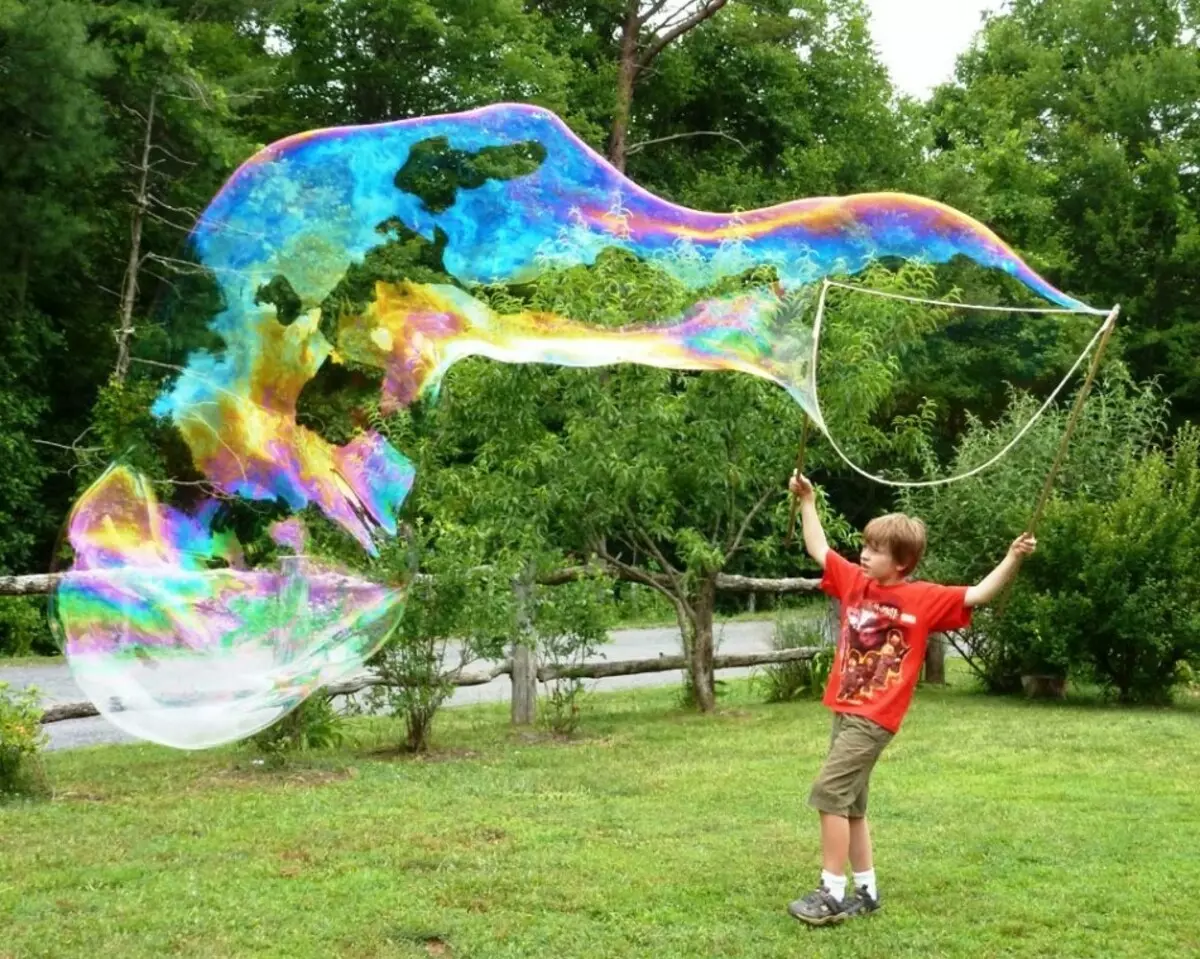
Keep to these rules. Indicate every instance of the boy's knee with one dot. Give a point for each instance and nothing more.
(826, 800)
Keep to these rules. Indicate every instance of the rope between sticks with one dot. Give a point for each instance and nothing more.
(1102, 333)
(1087, 310)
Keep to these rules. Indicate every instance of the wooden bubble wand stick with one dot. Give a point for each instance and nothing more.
(800, 471)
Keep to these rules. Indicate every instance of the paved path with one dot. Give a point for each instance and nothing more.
(57, 686)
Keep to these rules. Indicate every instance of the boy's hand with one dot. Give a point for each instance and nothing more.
(1023, 545)
(800, 486)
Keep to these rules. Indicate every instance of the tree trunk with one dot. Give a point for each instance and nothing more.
(524, 686)
(129, 285)
(935, 660)
(627, 70)
(701, 652)
(524, 662)
(418, 721)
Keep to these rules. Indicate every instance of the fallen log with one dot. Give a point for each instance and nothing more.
(56, 714)
(357, 685)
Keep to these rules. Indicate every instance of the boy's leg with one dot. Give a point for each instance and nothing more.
(835, 837)
(861, 858)
(855, 746)
(836, 842)
(863, 898)
(826, 904)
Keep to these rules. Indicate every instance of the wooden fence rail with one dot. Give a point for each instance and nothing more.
(594, 670)
(40, 584)
(521, 667)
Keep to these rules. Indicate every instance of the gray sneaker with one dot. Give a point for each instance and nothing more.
(818, 908)
(860, 903)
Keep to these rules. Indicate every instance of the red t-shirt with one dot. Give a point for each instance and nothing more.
(882, 643)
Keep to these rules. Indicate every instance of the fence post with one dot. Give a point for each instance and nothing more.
(831, 623)
(935, 660)
(524, 660)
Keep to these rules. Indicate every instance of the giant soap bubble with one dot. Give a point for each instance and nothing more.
(173, 632)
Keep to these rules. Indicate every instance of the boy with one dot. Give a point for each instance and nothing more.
(886, 619)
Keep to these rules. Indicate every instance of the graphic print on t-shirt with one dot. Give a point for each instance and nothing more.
(876, 645)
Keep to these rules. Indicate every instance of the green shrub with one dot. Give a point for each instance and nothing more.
(21, 740)
(456, 617)
(1187, 678)
(972, 523)
(572, 624)
(24, 629)
(799, 678)
(314, 724)
(1117, 584)
(416, 683)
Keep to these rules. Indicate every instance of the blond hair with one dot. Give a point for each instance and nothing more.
(901, 536)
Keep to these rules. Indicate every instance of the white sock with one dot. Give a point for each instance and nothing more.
(866, 879)
(835, 884)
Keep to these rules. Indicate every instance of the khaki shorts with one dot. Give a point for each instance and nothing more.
(841, 786)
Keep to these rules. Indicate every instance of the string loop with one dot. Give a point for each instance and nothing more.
(1110, 319)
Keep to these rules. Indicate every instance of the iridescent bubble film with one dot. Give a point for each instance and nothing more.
(171, 631)
(173, 650)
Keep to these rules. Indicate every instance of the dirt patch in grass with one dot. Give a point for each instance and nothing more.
(400, 754)
(549, 738)
(433, 943)
(284, 777)
(80, 797)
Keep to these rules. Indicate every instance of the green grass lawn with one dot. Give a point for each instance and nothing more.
(32, 661)
(1002, 829)
(664, 616)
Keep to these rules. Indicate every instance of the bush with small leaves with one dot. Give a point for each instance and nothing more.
(24, 628)
(462, 613)
(971, 523)
(21, 740)
(314, 724)
(572, 624)
(1114, 592)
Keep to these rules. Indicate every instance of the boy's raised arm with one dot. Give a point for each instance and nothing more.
(990, 586)
(814, 535)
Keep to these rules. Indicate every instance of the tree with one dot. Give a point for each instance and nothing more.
(613, 47)
(648, 29)
(668, 479)
(1072, 129)
(374, 61)
(85, 202)
(799, 97)
(53, 143)
(173, 125)
(53, 154)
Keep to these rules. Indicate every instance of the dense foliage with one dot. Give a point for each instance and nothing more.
(1071, 127)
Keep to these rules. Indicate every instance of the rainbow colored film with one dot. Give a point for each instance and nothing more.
(174, 646)
(501, 195)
